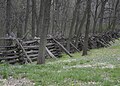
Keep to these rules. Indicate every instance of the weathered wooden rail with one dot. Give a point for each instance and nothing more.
(26, 51)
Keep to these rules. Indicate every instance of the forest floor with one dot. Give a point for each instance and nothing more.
(101, 67)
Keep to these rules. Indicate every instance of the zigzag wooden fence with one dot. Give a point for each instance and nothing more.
(22, 52)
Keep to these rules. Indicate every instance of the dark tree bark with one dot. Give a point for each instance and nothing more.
(85, 46)
(80, 28)
(95, 16)
(115, 14)
(33, 17)
(102, 10)
(27, 16)
(8, 18)
(73, 23)
(8, 22)
(43, 35)
(2, 21)
(19, 28)
(40, 19)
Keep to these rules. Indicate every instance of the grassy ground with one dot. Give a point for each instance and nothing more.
(100, 68)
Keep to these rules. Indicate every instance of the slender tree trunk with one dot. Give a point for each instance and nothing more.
(19, 28)
(115, 15)
(80, 28)
(2, 26)
(8, 18)
(77, 23)
(95, 17)
(27, 16)
(8, 22)
(85, 46)
(40, 19)
(73, 23)
(102, 14)
(110, 15)
(33, 17)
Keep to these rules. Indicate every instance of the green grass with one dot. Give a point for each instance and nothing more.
(101, 67)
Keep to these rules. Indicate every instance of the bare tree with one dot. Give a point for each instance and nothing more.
(27, 15)
(33, 17)
(73, 23)
(95, 16)
(43, 35)
(102, 11)
(40, 19)
(85, 47)
(8, 17)
(115, 14)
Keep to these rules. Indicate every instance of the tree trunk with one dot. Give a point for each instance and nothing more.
(8, 22)
(8, 18)
(43, 35)
(73, 23)
(40, 19)
(95, 17)
(80, 28)
(33, 17)
(85, 46)
(27, 16)
(102, 14)
(115, 15)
